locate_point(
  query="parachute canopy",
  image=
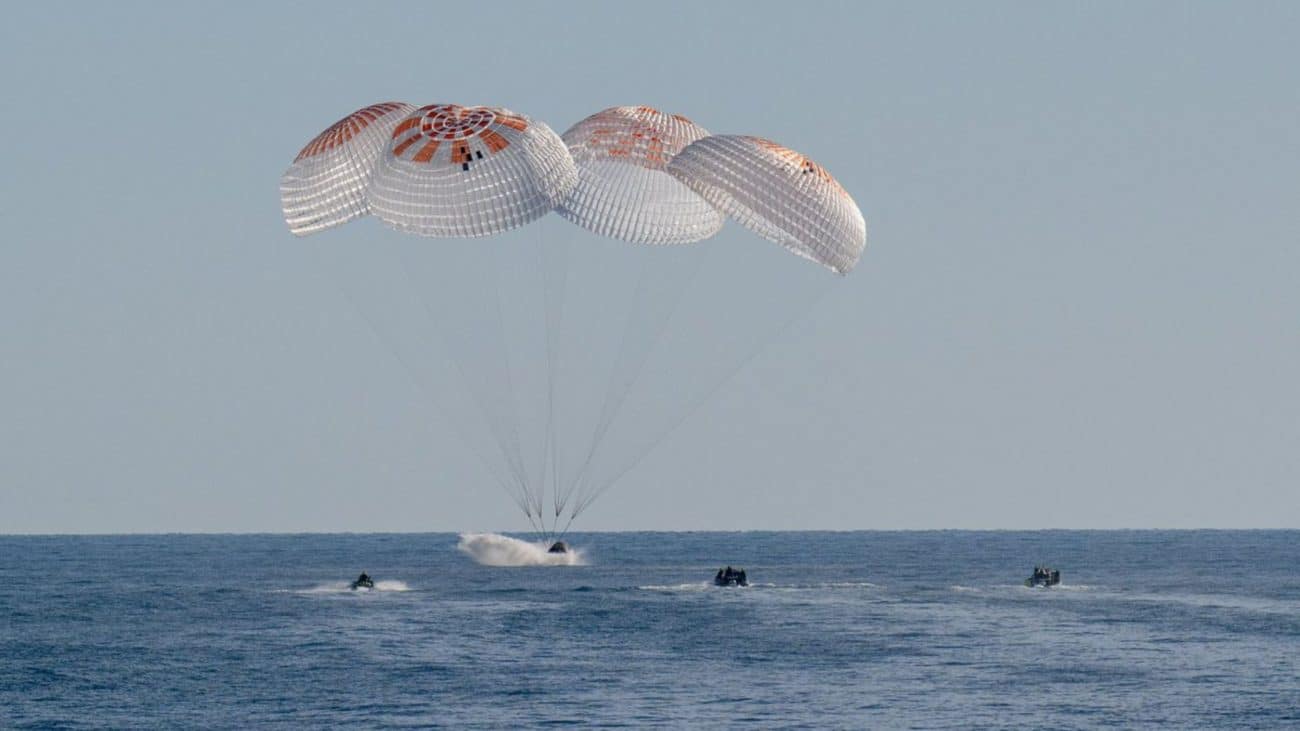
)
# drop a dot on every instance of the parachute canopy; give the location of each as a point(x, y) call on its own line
point(630, 173)
point(469, 171)
point(778, 194)
point(623, 190)
point(326, 184)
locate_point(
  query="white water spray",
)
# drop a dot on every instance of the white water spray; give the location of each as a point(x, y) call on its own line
point(492, 549)
point(345, 587)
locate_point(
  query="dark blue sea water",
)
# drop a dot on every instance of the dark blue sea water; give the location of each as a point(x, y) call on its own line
point(841, 630)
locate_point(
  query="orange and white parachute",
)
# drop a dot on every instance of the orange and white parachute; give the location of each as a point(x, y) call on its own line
point(778, 194)
point(326, 184)
point(623, 190)
point(631, 173)
point(469, 171)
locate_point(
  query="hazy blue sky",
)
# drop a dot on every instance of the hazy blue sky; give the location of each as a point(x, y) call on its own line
point(1078, 306)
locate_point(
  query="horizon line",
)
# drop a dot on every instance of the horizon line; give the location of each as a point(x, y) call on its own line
point(147, 534)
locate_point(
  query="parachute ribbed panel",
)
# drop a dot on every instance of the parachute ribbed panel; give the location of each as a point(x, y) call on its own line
point(778, 194)
point(453, 171)
point(623, 191)
point(326, 184)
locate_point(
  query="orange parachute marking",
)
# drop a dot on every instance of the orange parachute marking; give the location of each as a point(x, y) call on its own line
point(640, 141)
point(456, 128)
point(401, 147)
point(426, 152)
point(798, 161)
point(408, 123)
point(513, 121)
point(347, 128)
point(460, 153)
point(494, 141)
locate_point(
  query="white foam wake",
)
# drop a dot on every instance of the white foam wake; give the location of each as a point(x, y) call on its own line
point(345, 587)
point(491, 549)
point(693, 586)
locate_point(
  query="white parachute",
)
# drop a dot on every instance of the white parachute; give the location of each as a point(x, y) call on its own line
point(778, 194)
point(326, 184)
point(629, 173)
point(623, 189)
point(453, 171)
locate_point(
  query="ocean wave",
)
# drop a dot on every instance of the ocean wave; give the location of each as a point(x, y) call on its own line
point(1231, 602)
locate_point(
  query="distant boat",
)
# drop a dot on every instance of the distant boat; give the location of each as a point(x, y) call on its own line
point(730, 577)
point(558, 547)
point(363, 582)
point(1044, 576)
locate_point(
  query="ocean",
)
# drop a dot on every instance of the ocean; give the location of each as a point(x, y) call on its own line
point(1181, 629)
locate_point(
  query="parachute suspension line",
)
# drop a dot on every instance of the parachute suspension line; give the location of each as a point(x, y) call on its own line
point(512, 421)
point(612, 385)
point(512, 460)
point(555, 281)
point(412, 373)
point(560, 536)
point(630, 363)
point(553, 306)
point(549, 424)
point(758, 347)
point(495, 428)
point(541, 501)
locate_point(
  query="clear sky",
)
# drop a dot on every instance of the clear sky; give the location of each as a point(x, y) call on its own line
point(1078, 306)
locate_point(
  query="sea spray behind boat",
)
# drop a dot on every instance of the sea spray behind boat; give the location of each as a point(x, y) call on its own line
point(345, 587)
point(492, 549)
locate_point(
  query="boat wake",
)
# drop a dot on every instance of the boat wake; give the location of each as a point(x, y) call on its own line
point(692, 587)
point(709, 586)
point(492, 549)
point(1020, 589)
point(345, 587)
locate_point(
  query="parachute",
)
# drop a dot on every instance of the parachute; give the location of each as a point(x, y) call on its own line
point(469, 171)
point(326, 184)
point(624, 190)
point(632, 174)
point(778, 194)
